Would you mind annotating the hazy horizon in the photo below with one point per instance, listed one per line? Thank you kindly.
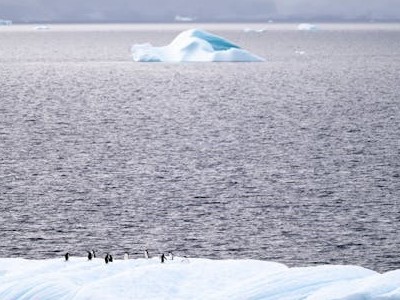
(93, 11)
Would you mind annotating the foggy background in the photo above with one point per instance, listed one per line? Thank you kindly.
(201, 11)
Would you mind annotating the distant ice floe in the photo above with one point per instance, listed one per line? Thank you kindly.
(259, 30)
(299, 52)
(5, 22)
(307, 26)
(189, 278)
(179, 18)
(194, 45)
(42, 27)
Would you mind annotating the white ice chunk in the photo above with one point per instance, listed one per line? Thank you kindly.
(307, 26)
(42, 27)
(5, 22)
(179, 18)
(194, 46)
(259, 30)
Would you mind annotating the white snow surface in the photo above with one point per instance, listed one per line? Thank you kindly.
(192, 278)
(194, 45)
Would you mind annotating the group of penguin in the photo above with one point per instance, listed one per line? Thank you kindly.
(108, 258)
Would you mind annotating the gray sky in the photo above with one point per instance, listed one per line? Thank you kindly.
(202, 10)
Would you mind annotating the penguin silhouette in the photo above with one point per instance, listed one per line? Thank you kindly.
(66, 256)
(170, 255)
(90, 255)
(110, 258)
(146, 254)
(163, 258)
(106, 259)
(94, 254)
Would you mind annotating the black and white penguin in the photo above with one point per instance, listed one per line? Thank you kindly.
(93, 254)
(110, 258)
(163, 258)
(106, 259)
(170, 255)
(126, 256)
(146, 254)
(89, 255)
(66, 256)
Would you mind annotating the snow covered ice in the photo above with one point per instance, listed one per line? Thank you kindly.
(194, 46)
(192, 278)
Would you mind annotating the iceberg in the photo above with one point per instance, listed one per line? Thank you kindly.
(307, 26)
(42, 27)
(189, 278)
(260, 30)
(5, 22)
(179, 18)
(194, 46)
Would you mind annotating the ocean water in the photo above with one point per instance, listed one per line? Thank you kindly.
(295, 160)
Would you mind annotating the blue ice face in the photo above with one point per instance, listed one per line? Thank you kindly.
(194, 45)
(218, 43)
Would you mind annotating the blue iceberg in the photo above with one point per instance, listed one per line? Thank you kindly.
(194, 46)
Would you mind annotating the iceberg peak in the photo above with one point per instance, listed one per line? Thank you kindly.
(194, 45)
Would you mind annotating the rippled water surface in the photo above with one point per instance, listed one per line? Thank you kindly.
(296, 159)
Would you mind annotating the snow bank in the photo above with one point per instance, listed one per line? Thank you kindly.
(193, 46)
(189, 279)
(307, 26)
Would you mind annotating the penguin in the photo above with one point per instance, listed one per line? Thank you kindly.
(163, 258)
(170, 255)
(90, 255)
(126, 256)
(94, 254)
(66, 256)
(146, 254)
(110, 258)
(106, 259)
